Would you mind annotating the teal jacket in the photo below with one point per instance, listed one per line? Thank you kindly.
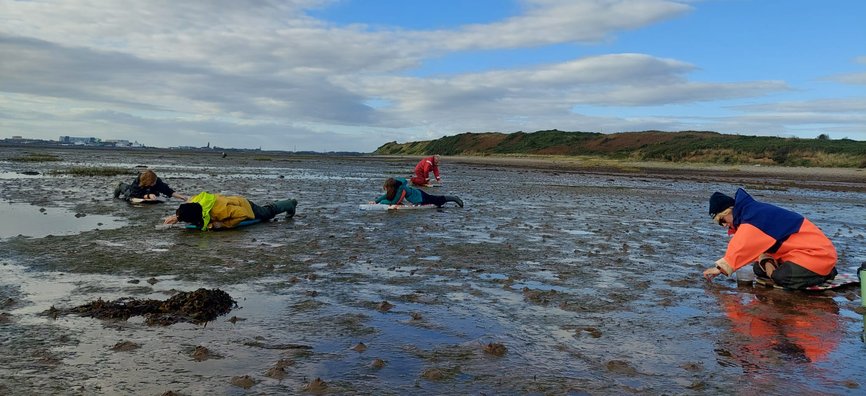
(413, 195)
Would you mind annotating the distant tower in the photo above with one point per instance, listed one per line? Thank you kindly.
(208, 144)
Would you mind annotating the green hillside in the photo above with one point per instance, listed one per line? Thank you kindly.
(686, 146)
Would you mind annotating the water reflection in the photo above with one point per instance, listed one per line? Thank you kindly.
(770, 327)
(33, 221)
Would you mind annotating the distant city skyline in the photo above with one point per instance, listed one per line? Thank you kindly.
(350, 75)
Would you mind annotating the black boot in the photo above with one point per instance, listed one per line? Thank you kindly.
(455, 199)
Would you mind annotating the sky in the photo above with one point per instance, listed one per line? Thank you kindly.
(351, 75)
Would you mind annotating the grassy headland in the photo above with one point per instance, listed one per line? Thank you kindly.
(685, 147)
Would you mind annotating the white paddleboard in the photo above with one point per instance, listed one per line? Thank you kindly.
(394, 207)
(147, 201)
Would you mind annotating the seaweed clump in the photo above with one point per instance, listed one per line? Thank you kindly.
(200, 306)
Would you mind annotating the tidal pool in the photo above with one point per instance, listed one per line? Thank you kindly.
(37, 222)
(547, 282)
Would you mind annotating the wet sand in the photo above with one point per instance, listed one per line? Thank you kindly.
(558, 277)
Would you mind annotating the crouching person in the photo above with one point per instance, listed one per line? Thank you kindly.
(213, 211)
(782, 245)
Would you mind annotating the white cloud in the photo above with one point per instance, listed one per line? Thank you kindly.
(558, 21)
(265, 73)
(609, 80)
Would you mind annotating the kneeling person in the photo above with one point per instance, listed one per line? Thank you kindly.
(214, 211)
(783, 245)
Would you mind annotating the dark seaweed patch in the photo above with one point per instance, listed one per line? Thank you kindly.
(200, 306)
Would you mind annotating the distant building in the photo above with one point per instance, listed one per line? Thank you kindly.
(79, 141)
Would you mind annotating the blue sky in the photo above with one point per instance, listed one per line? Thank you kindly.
(349, 75)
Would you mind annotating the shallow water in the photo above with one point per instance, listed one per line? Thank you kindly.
(25, 220)
(590, 281)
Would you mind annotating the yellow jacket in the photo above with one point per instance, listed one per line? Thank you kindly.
(227, 209)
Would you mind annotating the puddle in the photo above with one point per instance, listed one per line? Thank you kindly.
(38, 222)
(20, 175)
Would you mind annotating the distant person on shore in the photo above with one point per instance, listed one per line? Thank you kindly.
(397, 192)
(213, 211)
(423, 169)
(780, 244)
(145, 186)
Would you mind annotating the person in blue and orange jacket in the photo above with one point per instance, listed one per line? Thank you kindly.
(783, 245)
(397, 191)
(423, 169)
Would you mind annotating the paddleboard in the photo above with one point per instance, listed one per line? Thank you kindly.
(147, 201)
(837, 282)
(241, 224)
(394, 207)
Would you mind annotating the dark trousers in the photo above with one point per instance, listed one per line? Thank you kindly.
(791, 275)
(271, 210)
(264, 213)
(427, 199)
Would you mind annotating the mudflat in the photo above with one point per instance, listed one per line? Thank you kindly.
(560, 276)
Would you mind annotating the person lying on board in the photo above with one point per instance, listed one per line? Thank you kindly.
(423, 169)
(145, 186)
(780, 244)
(212, 211)
(397, 191)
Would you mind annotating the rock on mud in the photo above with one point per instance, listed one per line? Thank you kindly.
(283, 363)
(384, 306)
(621, 367)
(495, 349)
(360, 347)
(125, 346)
(276, 373)
(201, 353)
(433, 374)
(316, 385)
(244, 381)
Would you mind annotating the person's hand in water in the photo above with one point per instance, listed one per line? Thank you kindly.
(711, 273)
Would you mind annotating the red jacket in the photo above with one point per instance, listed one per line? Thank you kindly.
(425, 166)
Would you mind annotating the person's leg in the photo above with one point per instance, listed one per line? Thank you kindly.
(263, 213)
(793, 276)
(271, 210)
(759, 271)
(439, 200)
(121, 189)
(418, 180)
(428, 199)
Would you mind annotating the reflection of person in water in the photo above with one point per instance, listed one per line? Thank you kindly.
(788, 327)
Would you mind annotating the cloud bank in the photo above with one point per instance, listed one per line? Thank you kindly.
(267, 74)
